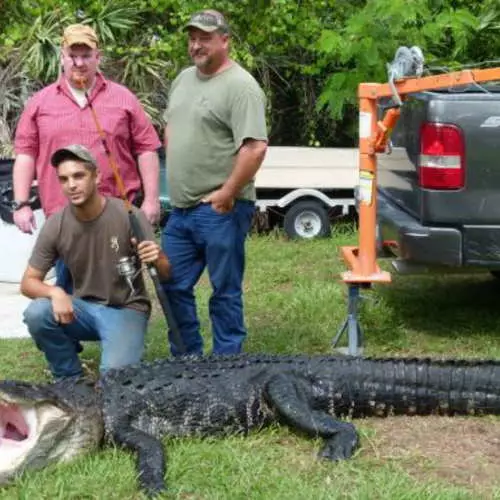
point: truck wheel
(307, 219)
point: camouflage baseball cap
(80, 34)
(209, 21)
(73, 152)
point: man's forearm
(37, 289)
(163, 267)
(247, 163)
(23, 175)
(149, 167)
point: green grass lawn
(295, 302)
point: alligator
(135, 406)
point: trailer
(304, 189)
(300, 189)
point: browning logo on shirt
(114, 243)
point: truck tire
(307, 219)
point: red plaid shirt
(52, 119)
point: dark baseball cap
(73, 152)
(209, 21)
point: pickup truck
(439, 188)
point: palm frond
(115, 17)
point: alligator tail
(422, 387)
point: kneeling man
(92, 236)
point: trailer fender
(303, 193)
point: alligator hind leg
(150, 456)
(291, 398)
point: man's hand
(151, 209)
(148, 251)
(62, 306)
(24, 219)
(221, 200)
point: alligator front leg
(289, 396)
(151, 461)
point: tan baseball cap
(80, 34)
(74, 152)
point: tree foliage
(309, 55)
(449, 33)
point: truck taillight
(442, 158)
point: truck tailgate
(477, 115)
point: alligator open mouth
(38, 427)
(14, 427)
(18, 435)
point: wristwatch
(17, 205)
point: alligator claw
(154, 490)
(339, 447)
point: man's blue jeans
(121, 332)
(64, 279)
(192, 239)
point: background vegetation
(309, 55)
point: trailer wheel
(307, 220)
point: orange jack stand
(373, 138)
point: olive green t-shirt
(91, 251)
(208, 119)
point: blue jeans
(64, 279)
(192, 239)
(120, 330)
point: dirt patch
(460, 451)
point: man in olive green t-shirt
(215, 139)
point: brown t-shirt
(91, 250)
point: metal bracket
(351, 325)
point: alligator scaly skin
(220, 396)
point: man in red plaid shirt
(59, 115)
